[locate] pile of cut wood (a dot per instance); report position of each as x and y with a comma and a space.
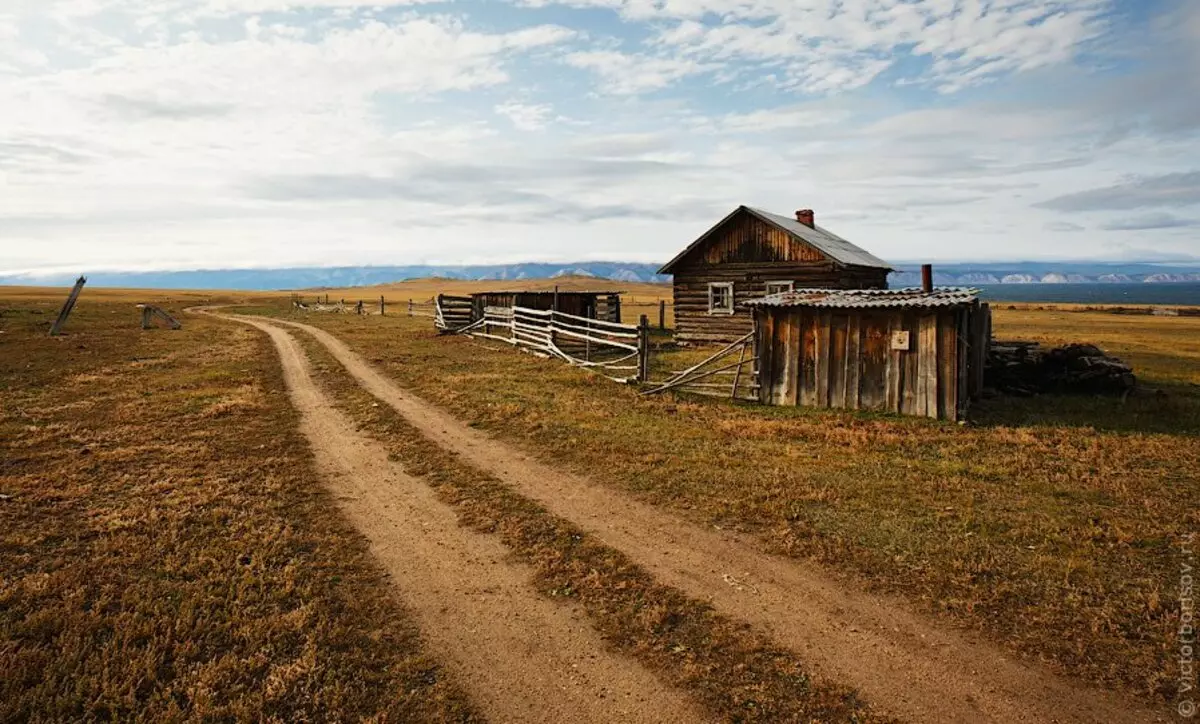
1026, 368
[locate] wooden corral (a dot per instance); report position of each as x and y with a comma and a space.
751, 253
457, 312
905, 351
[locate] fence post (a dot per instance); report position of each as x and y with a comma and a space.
662, 314
381, 305
410, 307
643, 374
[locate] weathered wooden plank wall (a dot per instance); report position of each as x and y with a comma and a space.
844, 359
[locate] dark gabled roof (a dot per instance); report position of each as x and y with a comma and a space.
823, 240
869, 298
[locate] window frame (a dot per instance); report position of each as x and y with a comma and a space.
791, 286
728, 286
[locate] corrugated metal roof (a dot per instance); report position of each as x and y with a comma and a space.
869, 298
824, 240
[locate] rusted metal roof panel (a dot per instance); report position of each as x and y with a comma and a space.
869, 298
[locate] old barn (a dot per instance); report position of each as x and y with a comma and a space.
458, 312
752, 253
908, 351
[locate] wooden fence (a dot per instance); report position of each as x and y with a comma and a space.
452, 314
719, 375
619, 352
422, 309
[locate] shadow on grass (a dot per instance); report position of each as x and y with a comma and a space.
1175, 411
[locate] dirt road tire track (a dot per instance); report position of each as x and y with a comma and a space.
520, 657
902, 663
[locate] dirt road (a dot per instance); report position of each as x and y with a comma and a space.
902, 663
521, 657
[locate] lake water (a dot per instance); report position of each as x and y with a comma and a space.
1182, 293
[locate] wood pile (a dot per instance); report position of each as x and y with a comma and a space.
1025, 368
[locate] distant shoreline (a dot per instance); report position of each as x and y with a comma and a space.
1168, 293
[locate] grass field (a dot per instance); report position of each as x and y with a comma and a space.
165, 551
1046, 515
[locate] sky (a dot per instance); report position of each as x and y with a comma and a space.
183, 134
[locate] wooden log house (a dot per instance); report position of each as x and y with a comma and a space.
752, 253
907, 351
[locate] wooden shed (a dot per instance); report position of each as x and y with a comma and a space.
456, 312
602, 305
752, 253
907, 351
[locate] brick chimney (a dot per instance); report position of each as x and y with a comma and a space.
805, 216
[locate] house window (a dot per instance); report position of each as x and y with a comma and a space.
720, 298
780, 287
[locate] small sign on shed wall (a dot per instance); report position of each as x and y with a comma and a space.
901, 341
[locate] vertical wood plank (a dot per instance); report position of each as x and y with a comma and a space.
927, 364
823, 358
873, 377
964, 364
764, 321
853, 360
780, 356
794, 341
948, 364
910, 380
838, 331
808, 375
895, 367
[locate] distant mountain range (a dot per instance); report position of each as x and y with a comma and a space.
957, 274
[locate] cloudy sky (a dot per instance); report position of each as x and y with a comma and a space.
172, 134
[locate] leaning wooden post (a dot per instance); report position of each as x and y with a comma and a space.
66, 310
662, 314
643, 374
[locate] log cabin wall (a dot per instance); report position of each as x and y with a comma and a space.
844, 358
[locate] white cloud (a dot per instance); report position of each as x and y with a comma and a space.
821, 46
622, 73
526, 117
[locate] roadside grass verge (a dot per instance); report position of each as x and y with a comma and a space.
735, 671
167, 550
1053, 527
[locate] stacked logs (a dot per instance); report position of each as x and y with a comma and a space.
1025, 368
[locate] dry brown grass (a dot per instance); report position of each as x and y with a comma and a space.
1051, 525
166, 548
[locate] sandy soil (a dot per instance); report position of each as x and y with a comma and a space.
902, 663
519, 656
